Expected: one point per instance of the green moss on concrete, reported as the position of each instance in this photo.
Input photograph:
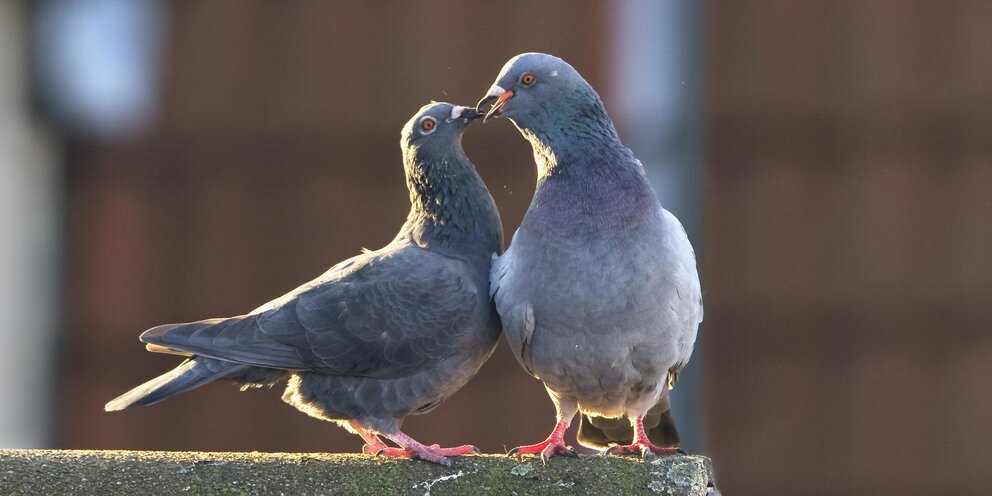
(34, 472)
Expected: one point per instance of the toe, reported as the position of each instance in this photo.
(431, 457)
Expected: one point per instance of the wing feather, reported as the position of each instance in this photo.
(384, 315)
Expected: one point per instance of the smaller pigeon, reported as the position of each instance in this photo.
(382, 335)
(598, 291)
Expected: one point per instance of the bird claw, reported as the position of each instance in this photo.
(644, 449)
(545, 450)
(550, 451)
(646, 453)
(370, 449)
(553, 445)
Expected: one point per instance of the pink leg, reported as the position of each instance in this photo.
(641, 445)
(410, 448)
(553, 445)
(372, 442)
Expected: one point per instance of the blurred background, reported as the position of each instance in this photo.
(172, 161)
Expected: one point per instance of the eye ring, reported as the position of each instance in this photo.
(428, 125)
(527, 79)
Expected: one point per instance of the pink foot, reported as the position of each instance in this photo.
(409, 448)
(553, 445)
(465, 449)
(372, 442)
(433, 453)
(641, 445)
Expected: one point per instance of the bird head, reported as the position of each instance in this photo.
(533, 86)
(436, 129)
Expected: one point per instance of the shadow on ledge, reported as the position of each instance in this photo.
(35, 472)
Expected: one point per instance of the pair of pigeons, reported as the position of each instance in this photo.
(598, 294)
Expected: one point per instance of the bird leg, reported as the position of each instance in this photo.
(372, 442)
(641, 445)
(410, 448)
(553, 445)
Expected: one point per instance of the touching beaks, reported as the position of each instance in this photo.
(467, 113)
(471, 114)
(497, 97)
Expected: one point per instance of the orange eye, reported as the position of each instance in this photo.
(428, 124)
(527, 79)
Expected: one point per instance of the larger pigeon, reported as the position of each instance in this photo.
(382, 335)
(598, 291)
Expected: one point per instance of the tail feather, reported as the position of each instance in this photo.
(189, 375)
(600, 433)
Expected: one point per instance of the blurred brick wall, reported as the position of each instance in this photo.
(848, 247)
(277, 156)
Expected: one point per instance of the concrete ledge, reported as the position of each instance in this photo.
(40, 472)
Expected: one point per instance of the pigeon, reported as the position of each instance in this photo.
(598, 292)
(385, 334)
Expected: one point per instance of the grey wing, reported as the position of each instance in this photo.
(390, 315)
(687, 306)
(515, 312)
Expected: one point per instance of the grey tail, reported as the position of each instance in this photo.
(600, 433)
(190, 374)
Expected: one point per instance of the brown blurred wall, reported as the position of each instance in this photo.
(846, 261)
(848, 247)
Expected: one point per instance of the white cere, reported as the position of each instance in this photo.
(457, 112)
(496, 90)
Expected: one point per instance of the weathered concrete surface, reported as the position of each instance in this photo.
(57, 472)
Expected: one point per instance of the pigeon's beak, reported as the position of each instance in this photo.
(466, 114)
(496, 97)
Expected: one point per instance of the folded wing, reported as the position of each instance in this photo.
(386, 315)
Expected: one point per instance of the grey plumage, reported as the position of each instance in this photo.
(598, 291)
(382, 335)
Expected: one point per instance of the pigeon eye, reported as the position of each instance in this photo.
(527, 79)
(427, 125)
